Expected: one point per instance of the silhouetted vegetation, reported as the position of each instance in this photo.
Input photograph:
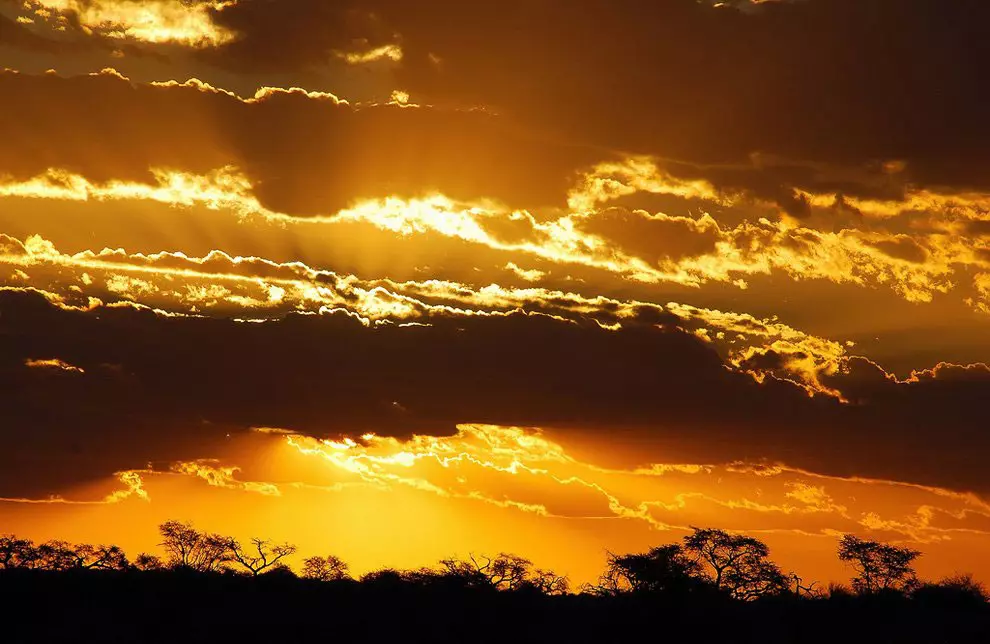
(712, 586)
(879, 566)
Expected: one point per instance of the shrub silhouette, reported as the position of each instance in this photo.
(954, 591)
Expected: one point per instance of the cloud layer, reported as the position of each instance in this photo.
(748, 238)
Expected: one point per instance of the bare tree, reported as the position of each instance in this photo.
(260, 556)
(187, 547)
(808, 591)
(735, 563)
(879, 566)
(329, 568)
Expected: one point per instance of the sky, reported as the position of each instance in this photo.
(398, 281)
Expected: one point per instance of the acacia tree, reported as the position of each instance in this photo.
(329, 568)
(878, 566)
(100, 557)
(187, 547)
(502, 572)
(59, 555)
(56, 555)
(145, 562)
(736, 564)
(16, 553)
(262, 555)
(549, 582)
(663, 568)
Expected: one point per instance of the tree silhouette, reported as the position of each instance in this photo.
(957, 590)
(661, 569)
(329, 568)
(502, 572)
(187, 547)
(16, 553)
(707, 567)
(56, 555)
(262, 554)
(59, 555)
(90, 557)
(145, 561)
(878, 566)
(736, 564)
(388, 577)
(807, 591)
(549, 582)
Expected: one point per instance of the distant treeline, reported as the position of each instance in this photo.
(713, 585)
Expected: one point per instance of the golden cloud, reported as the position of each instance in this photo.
(916, 266)
(149, 21)
(257, 288)
(52, 363)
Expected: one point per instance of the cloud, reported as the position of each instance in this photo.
(679, 78)
(303, 153)
(423, 170)
(650, 386)
(145, 21)
(653, 238)
(634, 244)
(218, 475)
(257, 289)
(589, 79)
(52, 363)
(16, 34)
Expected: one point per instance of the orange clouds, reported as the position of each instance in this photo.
(148, 21)
(255, 288)
(52, 363)
(918, 257)
(633, 244)
(522, 472)
(399, 235)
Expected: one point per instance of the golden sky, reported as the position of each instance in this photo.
(398, 281)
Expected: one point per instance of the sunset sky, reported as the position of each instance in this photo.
(401, 280)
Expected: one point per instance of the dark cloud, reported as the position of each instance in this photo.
(763, 99)
(978, 228)
(304, 155)
(13, 34)
(274, 35)
(902, 247)
(839, 81)
(767, 101)
(160, 387)
(652, 238)
(66, 38)
(828, 80)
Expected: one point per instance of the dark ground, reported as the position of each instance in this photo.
(170, 606)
